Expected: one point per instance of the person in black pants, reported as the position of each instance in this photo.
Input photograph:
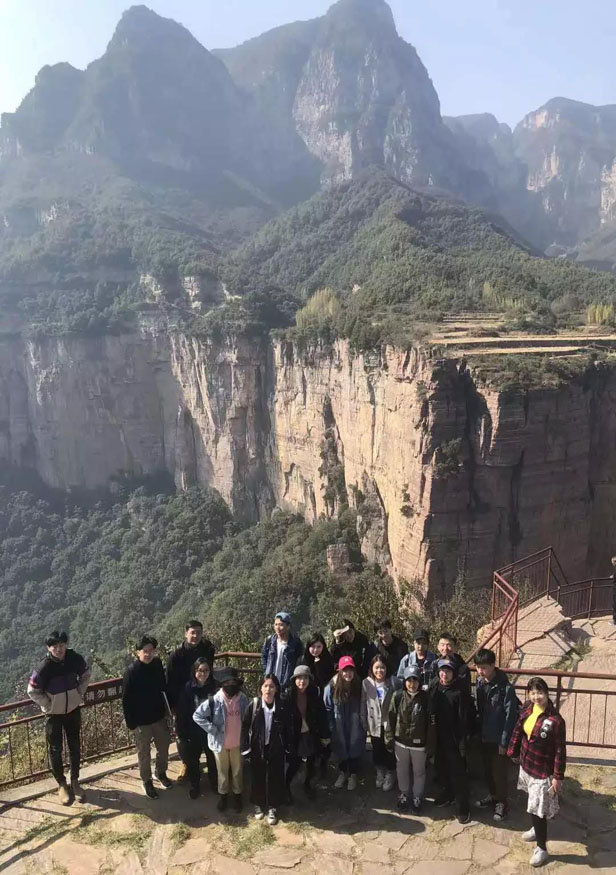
(452, 714)
(58, 686)
(192, 740)
(309, 730)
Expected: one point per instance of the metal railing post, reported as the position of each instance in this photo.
(558, 690)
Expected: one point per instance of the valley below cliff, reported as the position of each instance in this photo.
(449, 475)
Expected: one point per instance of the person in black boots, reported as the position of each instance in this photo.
(58, 686)
(308, 724)
(145, 707)
(349, 642)
(265, 741)
(192, 740)
(179, 667)
(388, 646)
(452, 713)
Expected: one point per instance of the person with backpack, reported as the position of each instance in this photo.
(349, 642)
(146, 711)
(309, 731)
(265, 742)
(497, 707)
(391, 648)
(281, 651)
(192, 740)
(342, 699)
(58, 686)
(452, 716)
(375, 694)
(221, 716)
(538, 744)
(421, 656)
(409, 733)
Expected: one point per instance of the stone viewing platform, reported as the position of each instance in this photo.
(118, 831)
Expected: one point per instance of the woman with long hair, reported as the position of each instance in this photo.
(192, 739)
(309, 728)
(343, 704)
(319, 660)
(375, 694)
(265, 741)
(538, 744)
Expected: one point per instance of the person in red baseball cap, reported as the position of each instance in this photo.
(342, 699)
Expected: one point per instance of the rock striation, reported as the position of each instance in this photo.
(447, 475)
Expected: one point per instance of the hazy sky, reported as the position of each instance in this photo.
(501, 56)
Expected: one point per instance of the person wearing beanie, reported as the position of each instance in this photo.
(58, 686)
(146, 711)
(452, 716)
(221, 717)
(349, 642)
(376, 690)
(282, 650)
(420, 656)
(309, 730)
(409, 734)
(342, 699)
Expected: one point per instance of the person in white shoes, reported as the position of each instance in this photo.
(375, 694)
(342, 699)
(538, 743)
(409, 732)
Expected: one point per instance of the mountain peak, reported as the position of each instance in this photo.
(363, 12)
(139, 25)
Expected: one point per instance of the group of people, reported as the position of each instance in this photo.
(414, 704)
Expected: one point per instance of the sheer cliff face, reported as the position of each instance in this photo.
(446, 476)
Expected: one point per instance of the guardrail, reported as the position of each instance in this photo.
(23, 748)
(586, 598)
(534, 576)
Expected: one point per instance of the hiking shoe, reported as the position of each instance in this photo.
(194, 792)
(64, 794)
(78, 792)
(340, 781)
(272, 817)
(403, 802)
(486, 802)
(416, 804)
(150, 790)
(182, 776)
(259, 813)
(352, 782)
(529, 835)
(380, 777)
(539, 858)
(500, 811)
(390, 782)
(223, 802)
(237, 802)
(444, 800)
(164, 780)
(464, 818)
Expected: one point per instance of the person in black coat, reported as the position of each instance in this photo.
(309, 727)
(192, 740)
(319, 660)
(388, 646)
(182, 659)
(349, 642)
(447, 650)
(265, 740)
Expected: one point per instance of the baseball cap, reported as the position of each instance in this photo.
(346, 662)
(446, 663)
(412, 671)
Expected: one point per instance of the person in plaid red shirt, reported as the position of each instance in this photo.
(538, 743)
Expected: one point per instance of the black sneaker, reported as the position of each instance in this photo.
(403, 802)
(444, 800)
(194, 792)
(164, 780)
(150, 790)
(237, 801)
(486, 802)
(464, 818)
(223, 802)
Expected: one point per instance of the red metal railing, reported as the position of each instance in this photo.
(23, 750)
(587, 598)
(535, 576)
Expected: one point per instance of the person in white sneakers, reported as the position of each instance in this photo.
(538, 744)
(342, 699)
(375, 694)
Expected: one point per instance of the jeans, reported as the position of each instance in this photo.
(495, 769)
(225, 760)
(190, 750)
(71, 724)
(411, 759)
(144, 736)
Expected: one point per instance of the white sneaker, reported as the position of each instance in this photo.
(539, 857)
(340, 781)
(380, 777)
(259, 813)
(390, 782)
(352, 783)
(529, 835)
(272, 817)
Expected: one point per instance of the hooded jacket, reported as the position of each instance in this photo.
(58, 687)
(497, 706)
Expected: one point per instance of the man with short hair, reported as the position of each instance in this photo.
(281, 651)
(497, 705)
(58, 686)
(391, 648)
(146, 712)
(420, 656)
(349, 642)
(447, 650)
